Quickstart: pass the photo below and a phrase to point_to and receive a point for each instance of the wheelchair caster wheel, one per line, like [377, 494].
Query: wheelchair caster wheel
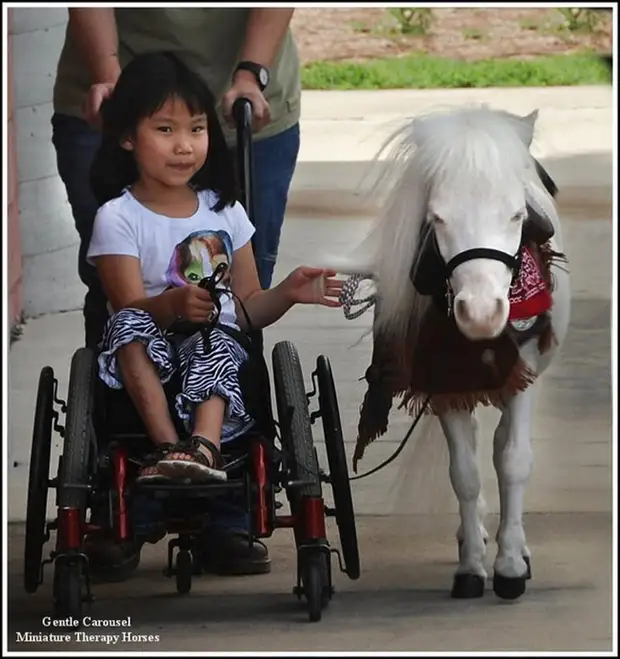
[184, 569]
[316, 586]
[68, 596]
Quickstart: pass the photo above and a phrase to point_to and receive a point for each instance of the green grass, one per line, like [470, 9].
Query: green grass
[420, 71]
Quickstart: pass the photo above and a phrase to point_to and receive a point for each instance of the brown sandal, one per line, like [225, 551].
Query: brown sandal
[187, 461]
[149, 471]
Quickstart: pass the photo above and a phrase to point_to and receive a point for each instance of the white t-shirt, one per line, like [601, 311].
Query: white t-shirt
[172, 251]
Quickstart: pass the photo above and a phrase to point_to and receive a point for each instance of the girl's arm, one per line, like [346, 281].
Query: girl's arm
[114, 250]
[121, 279]
[265, 307]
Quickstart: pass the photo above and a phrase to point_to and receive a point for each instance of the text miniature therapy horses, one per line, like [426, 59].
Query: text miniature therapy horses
[472, 306]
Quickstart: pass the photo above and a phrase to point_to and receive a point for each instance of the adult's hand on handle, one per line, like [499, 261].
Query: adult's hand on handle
[245, 86]
[91, 107]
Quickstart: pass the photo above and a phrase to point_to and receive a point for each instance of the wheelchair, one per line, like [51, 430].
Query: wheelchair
[104, 438]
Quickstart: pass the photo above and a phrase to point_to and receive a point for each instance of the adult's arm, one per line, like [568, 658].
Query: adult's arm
[264, 33]
[94, 31]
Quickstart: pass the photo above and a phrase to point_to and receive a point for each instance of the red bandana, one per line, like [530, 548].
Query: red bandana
[529, 295]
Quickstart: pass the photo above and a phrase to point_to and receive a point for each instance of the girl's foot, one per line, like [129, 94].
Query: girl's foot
[196, 459]
[150, 472]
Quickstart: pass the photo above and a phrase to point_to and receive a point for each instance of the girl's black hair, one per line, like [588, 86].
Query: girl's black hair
[143, 87]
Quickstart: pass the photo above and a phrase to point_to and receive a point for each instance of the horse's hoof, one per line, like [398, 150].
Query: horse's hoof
[467, 586]
[509, 588]
[528, 574]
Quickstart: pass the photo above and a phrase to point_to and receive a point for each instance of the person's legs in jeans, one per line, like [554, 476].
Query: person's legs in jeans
[274, 165]
[76, 144]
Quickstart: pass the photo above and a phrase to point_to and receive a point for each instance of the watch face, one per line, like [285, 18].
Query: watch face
[263, 77]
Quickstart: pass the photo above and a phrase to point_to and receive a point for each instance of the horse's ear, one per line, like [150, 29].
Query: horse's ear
[528, 123]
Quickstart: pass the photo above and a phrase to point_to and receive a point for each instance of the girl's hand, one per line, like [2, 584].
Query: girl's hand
[313, 286]
[192, 303]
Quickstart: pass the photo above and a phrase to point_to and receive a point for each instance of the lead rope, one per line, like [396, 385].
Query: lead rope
[347, 297]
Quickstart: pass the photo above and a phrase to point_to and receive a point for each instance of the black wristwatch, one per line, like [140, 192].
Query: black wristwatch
[260, 72]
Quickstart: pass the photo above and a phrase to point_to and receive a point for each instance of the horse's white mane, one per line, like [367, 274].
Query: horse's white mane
[428, 151]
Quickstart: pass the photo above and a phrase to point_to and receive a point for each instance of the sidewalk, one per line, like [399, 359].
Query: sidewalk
[341, 132]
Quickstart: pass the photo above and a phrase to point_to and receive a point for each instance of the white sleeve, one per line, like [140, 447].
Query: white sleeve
[242, 229]
[113, 234]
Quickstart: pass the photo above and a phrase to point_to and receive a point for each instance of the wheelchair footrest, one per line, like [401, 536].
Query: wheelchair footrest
[190, 490]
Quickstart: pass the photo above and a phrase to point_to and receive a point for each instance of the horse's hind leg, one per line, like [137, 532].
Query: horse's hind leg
[460, 429]
[513, 459]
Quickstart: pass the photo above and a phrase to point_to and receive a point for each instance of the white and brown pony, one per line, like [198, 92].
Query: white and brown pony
[462, 190]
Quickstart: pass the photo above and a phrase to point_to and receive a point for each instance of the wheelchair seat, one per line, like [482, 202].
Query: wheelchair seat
[116, 418]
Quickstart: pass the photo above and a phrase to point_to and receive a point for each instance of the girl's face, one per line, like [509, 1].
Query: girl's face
[171, 145]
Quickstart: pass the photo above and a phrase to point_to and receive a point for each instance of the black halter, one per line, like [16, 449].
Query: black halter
[430, 274]
[512, 262]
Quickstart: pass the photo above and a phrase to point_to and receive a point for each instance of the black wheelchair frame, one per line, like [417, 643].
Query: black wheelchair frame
[104, 438]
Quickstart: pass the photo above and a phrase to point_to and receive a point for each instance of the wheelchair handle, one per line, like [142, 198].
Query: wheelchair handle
[242, 116]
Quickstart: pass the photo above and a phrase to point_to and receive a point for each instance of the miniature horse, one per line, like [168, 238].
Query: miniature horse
[462, 188]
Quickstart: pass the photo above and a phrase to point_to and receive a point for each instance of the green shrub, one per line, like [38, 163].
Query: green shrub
[581, 19]
[412, 20]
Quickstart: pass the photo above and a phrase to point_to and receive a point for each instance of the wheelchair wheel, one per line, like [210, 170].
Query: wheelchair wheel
[184, 569]
[314, 585]
[68, 588]
[73, 477]
[294, 418]
[38, 481]
[339, 473]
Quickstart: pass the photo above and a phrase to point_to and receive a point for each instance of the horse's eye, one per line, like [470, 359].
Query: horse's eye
[519, 217]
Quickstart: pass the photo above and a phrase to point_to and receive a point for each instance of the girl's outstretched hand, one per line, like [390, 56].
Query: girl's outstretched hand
[313, 286]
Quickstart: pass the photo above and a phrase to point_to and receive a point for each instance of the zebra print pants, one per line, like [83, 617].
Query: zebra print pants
[202, 375]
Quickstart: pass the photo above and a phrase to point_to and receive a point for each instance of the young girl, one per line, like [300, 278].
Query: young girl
[168, 219]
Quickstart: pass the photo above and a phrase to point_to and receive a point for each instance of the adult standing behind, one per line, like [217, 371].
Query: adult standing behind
[239, 53]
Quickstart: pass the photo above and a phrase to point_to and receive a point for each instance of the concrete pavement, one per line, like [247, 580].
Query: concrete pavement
[406, 512]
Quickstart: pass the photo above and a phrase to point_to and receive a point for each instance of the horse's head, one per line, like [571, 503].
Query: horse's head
[456, 216]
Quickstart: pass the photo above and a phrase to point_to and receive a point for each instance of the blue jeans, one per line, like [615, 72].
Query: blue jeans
[274, 164]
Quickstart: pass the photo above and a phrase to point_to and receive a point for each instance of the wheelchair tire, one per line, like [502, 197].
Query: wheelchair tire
[339, 473]
[68, 596]
[79, 441]
[316, 585]
[38, 481]
[296, 439]
[184, 570]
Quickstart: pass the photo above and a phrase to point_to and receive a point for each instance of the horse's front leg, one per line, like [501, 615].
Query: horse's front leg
[513, 459]
[460, 429]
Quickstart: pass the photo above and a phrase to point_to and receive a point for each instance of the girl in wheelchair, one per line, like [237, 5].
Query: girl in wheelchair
[168, 221]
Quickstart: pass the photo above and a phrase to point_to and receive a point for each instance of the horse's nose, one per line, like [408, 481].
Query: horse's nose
[480, 318]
